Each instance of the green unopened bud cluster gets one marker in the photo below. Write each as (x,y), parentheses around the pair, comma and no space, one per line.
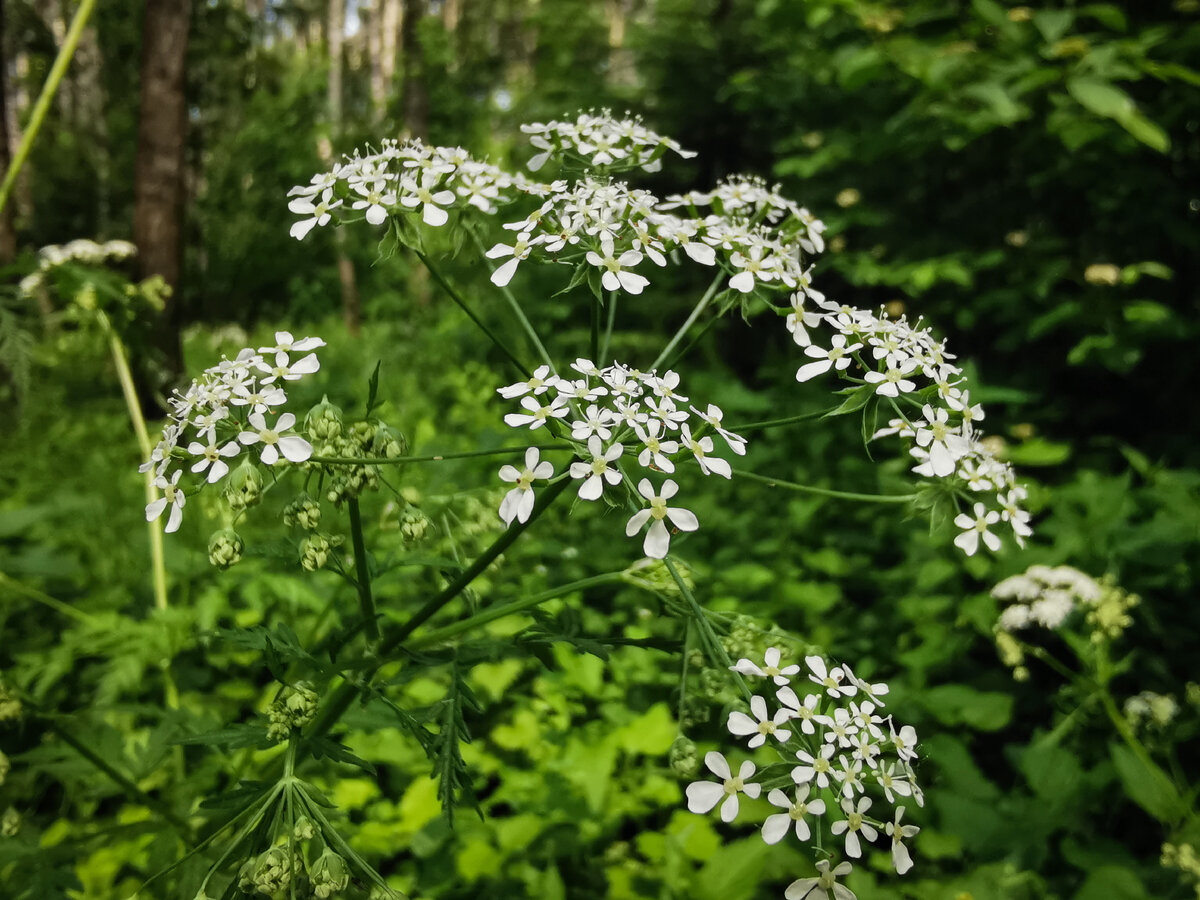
(269,873)
(743,639)
(316,549)
(654,576)
(225,548)
(294,709)
(10,706)
(684,758)
(10,823)
(245,487)
(329,875)
(414,525)
(303,512)
(324,421)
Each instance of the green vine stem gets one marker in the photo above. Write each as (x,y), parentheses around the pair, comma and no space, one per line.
(826,492)
(438,457)
(42,106)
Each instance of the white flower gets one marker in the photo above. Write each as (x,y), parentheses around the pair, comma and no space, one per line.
(776,826)
(713,416)
(769,669)
(832,680)
(294,448)
(838,356)
(753,267)
(431,202)
(518,503)
(840,727)
(285,343)
(375,199)
(539,383)
(658,538)
(287,370)
(260,398)
(537,415)
(976,528)
(894,381)
(815,768)
(900,857)
(704,795)
(761,725)
(319,212)
(945,445)
(708,464)
(656,453)
(615,276)
(853,824)
(889,781)
(519,250)
(595,423)
(805,712)
(172,497)
(824,886)
(906,743)
(211,458)
(596,472)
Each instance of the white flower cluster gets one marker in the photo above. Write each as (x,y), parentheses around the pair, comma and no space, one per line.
(402,178)
(758,239)
(607,410)
(600,140)
(905,363)
(1044,596)
(844,747)
(77,251)
(231,406)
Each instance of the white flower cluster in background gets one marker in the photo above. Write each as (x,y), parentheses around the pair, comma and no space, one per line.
(1043,596)
(903,361)
(607,412)
(77,251)
(233,406)
(845,749)
(599,140)
(404,178)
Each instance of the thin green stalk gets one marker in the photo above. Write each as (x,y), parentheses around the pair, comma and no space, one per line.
(457,298)
(400,460)
(595,317)
(826,492)
(363,572)
(45,599)
(776,423)
(709,637)
(516,307)
(681,352)
(608,328)
(45,98)
(691,319)
(507,609)
(121,780)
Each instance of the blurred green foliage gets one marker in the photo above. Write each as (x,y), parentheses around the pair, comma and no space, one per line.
(1022,176)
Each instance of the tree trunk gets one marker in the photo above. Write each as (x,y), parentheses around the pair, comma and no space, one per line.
(8,235)
(158,178)
(390,22)
(416,96)
(351,307)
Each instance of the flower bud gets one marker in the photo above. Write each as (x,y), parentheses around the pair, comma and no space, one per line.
(324,421)
(303,830)
(294,709)
(363,432)
(10,706)
(414,525)
(245,486)
(273,871)
(329,875)
(10,822)
(5,767)
(683,758)
(225,548)
(314,552)
(388,442)
(303,511)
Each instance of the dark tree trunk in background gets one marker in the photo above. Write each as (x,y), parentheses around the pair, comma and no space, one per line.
(8,235)
(416,96)
(158,179)
(347,282)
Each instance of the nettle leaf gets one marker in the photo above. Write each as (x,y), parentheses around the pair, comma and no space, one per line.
(280,647)
(564,627)
(449,768)
(373,388)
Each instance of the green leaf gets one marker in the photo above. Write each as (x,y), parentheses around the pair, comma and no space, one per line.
(232,738)
(1109,101)
(1112,883)
(373,388)
(956,704)
(1147,785)
(857,399)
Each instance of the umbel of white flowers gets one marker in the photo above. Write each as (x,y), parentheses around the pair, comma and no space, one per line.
(846,749)
(610,411)
(753,238)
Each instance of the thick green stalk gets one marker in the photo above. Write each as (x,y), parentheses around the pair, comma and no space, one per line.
(457,298)
(826,492)
(42,106)
(691,319)
(45,599)
(608,328)
(595,343)
(363,573)
(507,609)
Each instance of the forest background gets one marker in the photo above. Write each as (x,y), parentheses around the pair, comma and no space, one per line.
(1025,177)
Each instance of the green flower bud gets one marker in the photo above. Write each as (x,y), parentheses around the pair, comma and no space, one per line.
(303,830)
(363,432)
(329,875)
(696,711)
(389,442)
(695,659)
(273,871)
(303,511)
(10,706)
(225,548)
(245,486)
(5,767)
(414,525)
(324,421)
(10,823)
(314,552)
(294,708)
(246,876)
(683,758)
(712,682)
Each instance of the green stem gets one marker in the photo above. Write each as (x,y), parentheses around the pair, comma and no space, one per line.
(120,779)
(363,572)
(608,328)
(516,307)
(595,343)
(776,423)
(45,599)
(826,492)
(716,650)
(457,298)
(507,609)
(691,319)
(42,106)
(400,460)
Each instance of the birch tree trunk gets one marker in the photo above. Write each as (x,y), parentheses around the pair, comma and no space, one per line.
(336,32)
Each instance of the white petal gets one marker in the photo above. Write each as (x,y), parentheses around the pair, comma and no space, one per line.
(717,765)
(434,215)
(703,795)
(683,519)
(295,449)
(503,275)
(658,541)
(729,809)
(775,827)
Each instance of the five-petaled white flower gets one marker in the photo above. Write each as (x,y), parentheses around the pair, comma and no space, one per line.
(776,826)
(431,202)
(319,213)
(854,823)
(894,381)
(375,198)
(905,742)
(537,415)
(836,357)
(598,471)
(824,886)
(761,725)
(172,497)
(518,503)
(658,538)
(769,669)
(815,768)
(833,680)
(976,528)
(616,277)
(211,458)
(805,712)
(518,251)
(540,382)
(293,447)
(898,832)
(704,795)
